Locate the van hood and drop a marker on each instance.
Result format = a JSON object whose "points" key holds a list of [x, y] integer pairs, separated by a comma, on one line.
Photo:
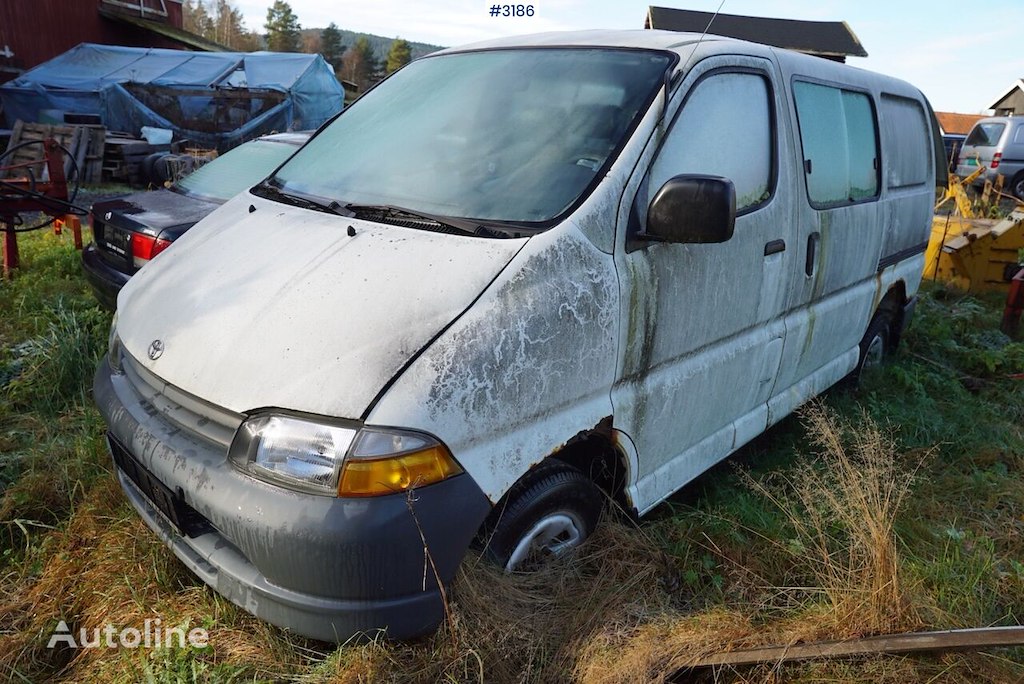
{"points": [[265, 305]]}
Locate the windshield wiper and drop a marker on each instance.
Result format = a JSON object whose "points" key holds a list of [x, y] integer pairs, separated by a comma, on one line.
{"points": [[389, 211], [269, 190]]}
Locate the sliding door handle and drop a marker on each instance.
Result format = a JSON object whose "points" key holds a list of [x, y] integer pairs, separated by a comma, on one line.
{"points": [[812, 252]]}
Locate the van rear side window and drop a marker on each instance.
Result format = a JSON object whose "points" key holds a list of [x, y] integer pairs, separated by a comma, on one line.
{"points": [[840, 143], [905, 131]]}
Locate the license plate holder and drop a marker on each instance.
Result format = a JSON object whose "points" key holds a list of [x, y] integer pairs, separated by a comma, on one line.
{"points": [[171, 506], [117, 242]]}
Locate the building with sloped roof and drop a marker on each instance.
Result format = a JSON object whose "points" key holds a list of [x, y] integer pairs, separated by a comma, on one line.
{"points": [[32, 32], [1011, 102], [953, 123]]}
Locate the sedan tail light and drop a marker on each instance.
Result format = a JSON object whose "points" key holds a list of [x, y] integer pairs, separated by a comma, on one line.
{"points": [[145, 247]]}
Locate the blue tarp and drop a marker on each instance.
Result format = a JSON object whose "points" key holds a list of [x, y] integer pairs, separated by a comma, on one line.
{"points": [[218, 99]]}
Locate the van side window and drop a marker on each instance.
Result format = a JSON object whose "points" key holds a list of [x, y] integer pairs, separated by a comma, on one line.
{"points": [[905, 132], [1018, 136], [723, 129], [840, 143]]}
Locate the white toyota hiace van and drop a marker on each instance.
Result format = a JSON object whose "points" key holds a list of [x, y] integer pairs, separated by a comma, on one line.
{"points": [[511, 279]]}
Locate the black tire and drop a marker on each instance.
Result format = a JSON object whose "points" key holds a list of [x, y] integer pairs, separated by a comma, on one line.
{"points": [[1017, 186], [163, 171], [554, 508], [148, 164], [876, 345]]}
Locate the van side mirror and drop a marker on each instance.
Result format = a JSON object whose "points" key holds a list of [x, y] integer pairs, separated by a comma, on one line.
{"points": [[692, 209]]}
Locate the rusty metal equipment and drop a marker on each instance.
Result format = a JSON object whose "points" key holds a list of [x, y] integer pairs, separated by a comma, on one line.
{"points": [[973, 254], [970, 251], [956, 190], [35, 186]]}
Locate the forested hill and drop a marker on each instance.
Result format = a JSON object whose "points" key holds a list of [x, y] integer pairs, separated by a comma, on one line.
{"points": [[380, 44]]}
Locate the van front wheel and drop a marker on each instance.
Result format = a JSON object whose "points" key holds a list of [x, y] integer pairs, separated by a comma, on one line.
{"points": [[552, 510]]}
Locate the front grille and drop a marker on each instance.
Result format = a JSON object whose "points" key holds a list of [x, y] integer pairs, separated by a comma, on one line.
{"points": [[185, 412]]}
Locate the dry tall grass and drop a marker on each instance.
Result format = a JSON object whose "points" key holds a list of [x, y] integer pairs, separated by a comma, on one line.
{"points": [[105, 568], [843, 506]]}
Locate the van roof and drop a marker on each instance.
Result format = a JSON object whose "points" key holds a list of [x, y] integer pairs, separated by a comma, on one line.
{"points": [[686, 43], [636, 38]]}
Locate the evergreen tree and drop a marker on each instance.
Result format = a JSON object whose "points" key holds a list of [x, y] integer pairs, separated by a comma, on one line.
{"points": [[360, 64], [330, 45], [399, 55], [282, 28]]}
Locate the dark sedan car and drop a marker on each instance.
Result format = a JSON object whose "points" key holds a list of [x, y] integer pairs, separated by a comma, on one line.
{"points": [[129, 231]]}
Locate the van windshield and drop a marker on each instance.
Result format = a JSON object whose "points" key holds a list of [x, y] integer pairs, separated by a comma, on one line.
{"points": [[986, 135], [499, 136]]}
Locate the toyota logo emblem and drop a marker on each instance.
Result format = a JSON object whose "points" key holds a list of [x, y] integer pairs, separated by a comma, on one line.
{"points": [[156, 348]]}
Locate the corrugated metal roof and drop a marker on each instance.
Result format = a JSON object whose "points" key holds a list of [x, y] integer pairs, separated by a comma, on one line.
{"points": [[822, 38]]}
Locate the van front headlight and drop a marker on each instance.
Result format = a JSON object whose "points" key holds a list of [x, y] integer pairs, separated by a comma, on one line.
{"points": [[340, 460]]}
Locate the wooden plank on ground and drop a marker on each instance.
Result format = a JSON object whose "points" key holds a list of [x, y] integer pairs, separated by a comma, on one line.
{"points": [[948, 640]]}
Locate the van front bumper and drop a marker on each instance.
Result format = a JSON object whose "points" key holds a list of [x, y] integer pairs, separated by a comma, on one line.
{"points": [[324, 567]]}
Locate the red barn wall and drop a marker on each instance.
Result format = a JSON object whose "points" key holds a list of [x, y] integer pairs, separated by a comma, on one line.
{"points": [[38, 30]]}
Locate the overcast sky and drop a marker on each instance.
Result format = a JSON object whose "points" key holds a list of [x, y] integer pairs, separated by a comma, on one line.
{"points": [[962, 55]]}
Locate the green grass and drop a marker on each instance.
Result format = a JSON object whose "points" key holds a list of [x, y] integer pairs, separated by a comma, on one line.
{"points": [[727, 562]]}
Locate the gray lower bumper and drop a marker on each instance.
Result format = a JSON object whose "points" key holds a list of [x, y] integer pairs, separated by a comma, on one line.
{"points": [[324, 567]]}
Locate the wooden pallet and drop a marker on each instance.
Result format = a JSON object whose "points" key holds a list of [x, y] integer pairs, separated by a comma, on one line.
{"points": [[84, 144]]}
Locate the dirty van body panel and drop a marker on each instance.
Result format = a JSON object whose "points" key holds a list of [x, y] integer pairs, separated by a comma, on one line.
{"points": [[525, 369], [236, 345], [702, 332], [752, 347], [855, 243], [535, 296], [315, 564]]}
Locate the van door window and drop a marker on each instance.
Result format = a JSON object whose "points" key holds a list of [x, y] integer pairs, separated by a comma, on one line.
{"points": [[839, 135], [1018, 136], [724, 129]]}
